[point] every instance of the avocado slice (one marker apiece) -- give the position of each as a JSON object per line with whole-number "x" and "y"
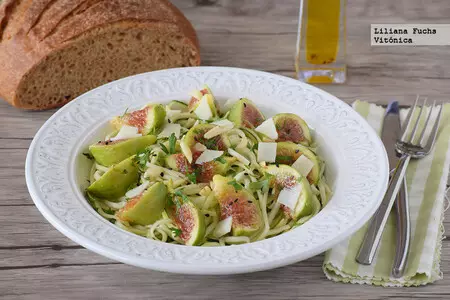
{"x": 116, "y": 181}
{"x": 244, "y": 113}
{"x": 291, "y": 127}
{"x": 240, "y": 204}
{"x": 148, "y": 120}
{"x": 286, "y": 176}
{"x": 190, "y": 221}
{"x": 110, "y": 153}
{"x": 146, "y": 208}
{"x": 289, "y": 152}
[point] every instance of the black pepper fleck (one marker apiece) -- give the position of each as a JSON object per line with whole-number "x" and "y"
{"x": 249, "y": 201}
{"x": 245, "y": 105}
{"x": 206, "y": 215}
{"x": 162, "y": 174}
{"x": 169, "y": 121}
{"x": 236, "y": 200}
{"x": 297, "y": 151}
{"x": 106, "y": 143}
{"x": 246, "y": 174}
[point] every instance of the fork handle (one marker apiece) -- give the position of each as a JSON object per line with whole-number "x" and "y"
{"x": 403, "y": 231}
{"x": 373, "y": 235}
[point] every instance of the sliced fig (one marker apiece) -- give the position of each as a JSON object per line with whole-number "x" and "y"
{"x": 207, "y": 170}
{"x": 244, "y": 113}
{"x": 147, "y": 207}
{"x": 291, "y": 127}
{"x": 239, "y": 204}
{"x": 116, "y": 181}
{"x": 196, "y": 135}
{"x": 189, "y": 220}
{"x": 204, "y": 172}
{"x": 148, "y": 120}
{"x": 287, "y": 177}
{"x": 289, "y": 152}
{"x": 179, "y": 163}
{"x": 109, "y": 153}
{"x": 205, "y": 93}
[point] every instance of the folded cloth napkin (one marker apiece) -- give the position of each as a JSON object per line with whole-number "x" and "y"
{"x": 426, "y": 181}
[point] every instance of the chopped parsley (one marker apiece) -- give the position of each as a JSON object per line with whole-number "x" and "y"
{"x": 237, "y": 186}
{"x": 88, "y": 155}
{"x": 142, "y": 158}
{"x": 175, "y": 231}
{"x": 180, "y": 194}
{"x": 193, "y": 176}
{"x": 221, "y": 160}
{"x": 210, "y": 144}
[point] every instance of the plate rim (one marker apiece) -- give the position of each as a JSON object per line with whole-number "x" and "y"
{"x": 188, "y": 268}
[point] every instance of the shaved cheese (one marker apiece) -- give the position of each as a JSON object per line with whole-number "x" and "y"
{"x": 196, "y": 94}
{"x": 186, "y": 150}
{"x": 223, "y": 227}
{"x": 239, "y": 156}
{"x": 200, "y": 147}
{"x": 203, "y": 111}
{"x": 137, "y": 190}
{"x": 268, "y": 128}
{"x": 289, "y": 196}
{"x": 224, "y": 123}
{"x": 170, "y": 128}
{"x": 215, "y": 131}
{"x": 126, "y": 132}
{"x": 303, "y": 165}
{"x": 208, "y": 155}
{"x": 267, "y": 152}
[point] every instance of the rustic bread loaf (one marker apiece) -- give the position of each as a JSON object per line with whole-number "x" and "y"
{"x": 54, "y": 50}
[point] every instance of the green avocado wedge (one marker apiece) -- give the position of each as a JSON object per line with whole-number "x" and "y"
{"x": 146, "y": 208}
{"x": 190, "y": 221}
{"x": 116, "y": 181}
{"x": 239, "y": 204}
{"x": 108, "y": 154}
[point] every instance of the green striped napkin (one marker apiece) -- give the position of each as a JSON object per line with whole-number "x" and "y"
{"x": 426, "y": 180}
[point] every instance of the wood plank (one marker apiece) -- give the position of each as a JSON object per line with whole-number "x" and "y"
{"x": 298, "y": 281}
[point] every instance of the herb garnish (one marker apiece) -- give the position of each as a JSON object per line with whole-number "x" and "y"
{"x": 172, "y": 143}
{"x": 175, "y": 231}
{"x": 221, "y": 160}
{"x": 180, "y": 194}
{"x": 164, "y": 148}
{"x": 237, "y": 186}
{"x": 193, "y": 176}
{"x": 142, "y": 157}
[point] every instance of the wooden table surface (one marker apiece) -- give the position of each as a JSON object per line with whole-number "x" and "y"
{"x": 38, "y": 262}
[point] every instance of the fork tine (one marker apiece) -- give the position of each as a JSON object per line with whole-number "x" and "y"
{"x": 416, "y": 124}
{"x": 434, "y": 131}
{"x": 422, "y": 135}
{"x": 408, "y": 120}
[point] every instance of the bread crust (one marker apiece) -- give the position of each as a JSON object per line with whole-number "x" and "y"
{"x": 51, "y": 25}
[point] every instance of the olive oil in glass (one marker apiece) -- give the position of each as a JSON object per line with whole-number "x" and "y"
{"x": 321, "y": 42}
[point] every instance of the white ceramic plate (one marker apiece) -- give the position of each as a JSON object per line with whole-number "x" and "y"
{"x": 356, "y": 161}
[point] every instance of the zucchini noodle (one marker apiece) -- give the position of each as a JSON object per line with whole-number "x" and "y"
{"x": 168, "y": 162}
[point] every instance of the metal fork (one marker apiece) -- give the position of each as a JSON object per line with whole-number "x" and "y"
{"x": 408, "y": 148}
